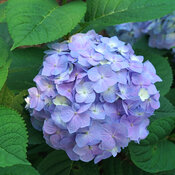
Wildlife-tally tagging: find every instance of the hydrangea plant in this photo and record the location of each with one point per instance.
(74, 100)
(93, 96)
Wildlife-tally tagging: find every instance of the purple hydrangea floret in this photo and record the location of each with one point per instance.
(93, 96)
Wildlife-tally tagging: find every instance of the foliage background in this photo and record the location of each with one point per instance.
(22, 149)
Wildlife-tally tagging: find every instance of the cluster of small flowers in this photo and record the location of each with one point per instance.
(93, 96)
(127, 32)
(161, 32)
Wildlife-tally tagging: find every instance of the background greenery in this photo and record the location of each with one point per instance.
(25, 27)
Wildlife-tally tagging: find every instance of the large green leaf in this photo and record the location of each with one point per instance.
(18, 170)
(13, 138)
(142, 43)
(166, 110)
(34, 22)
(153, 154)
(26, 64)
(111, 12)
(165, 106)
(4, 52)
(5, 35)
(172, 172)
(154, 158)
(115, 166)
(171, 96)
(3, 62)
(84, 168)
(17, 102)
(55, 163)
(3, 74)
(2, 12)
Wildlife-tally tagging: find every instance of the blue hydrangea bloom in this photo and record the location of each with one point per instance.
(161, 32)
(93, 96)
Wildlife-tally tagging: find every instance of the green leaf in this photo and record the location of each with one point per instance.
(166, 110)
(4, 52)
(9, 99)
(5, 35)
(18, 101)
(154, 158)
(3, 62)
(35, 136)
(18, 170)
(34, 22)
(165, 106)
(112, 12)
(55, 163)
(36, 153)
(81, 168)
(172, 172)
(3, 74)
(163, 69)
(2, 12)
(115, 166)
(142, 43)
(171, 96)
(151, 154)
(6, 96)
(26, 64)
(13, 138)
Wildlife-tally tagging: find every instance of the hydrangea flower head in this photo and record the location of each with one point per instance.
(161, 32)
(127, 32)
(93, 96)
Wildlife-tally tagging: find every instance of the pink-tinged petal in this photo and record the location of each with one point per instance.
(87, 157)
(33, 91)
(65, 90)
(74, 124)
(108, 143)
(72, 155)
(79, 151)
(136, 66)
(54, 140)
(49, 127)
(155, 104)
